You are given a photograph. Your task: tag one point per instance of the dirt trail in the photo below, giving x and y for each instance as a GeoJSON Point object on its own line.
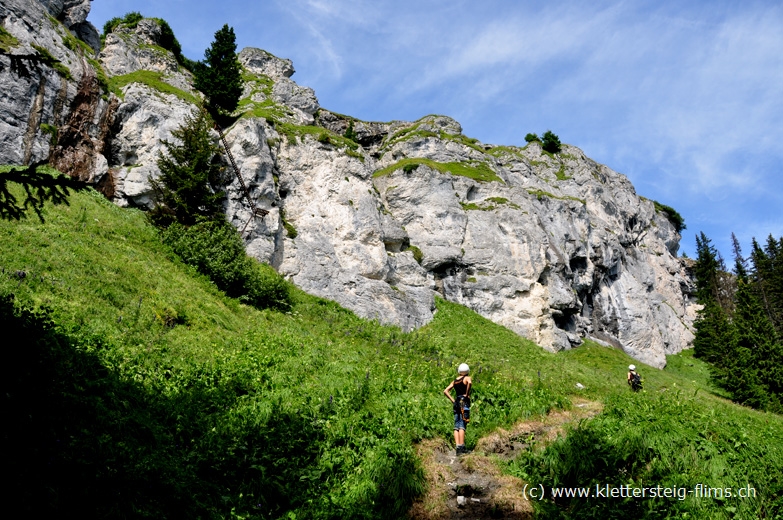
{"type": "Point", "coordinates": [476, 477]}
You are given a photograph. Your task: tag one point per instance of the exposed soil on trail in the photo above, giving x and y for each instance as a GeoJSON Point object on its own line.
{"type": "Point", "coordinates": [476, 477]}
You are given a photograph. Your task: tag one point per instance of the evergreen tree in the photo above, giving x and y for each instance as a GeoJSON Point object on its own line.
{"type": "Point", "coordinates": [219, 76]}
{"type": "Point", "coordinates": [705, 269]}
{"type": "Point", "coordinates": [768, 277]}
{"type": "Point", "coordinates": [186, 190]}
{"type": "Point", "coordinates": [740, 340]}
{"type": "Point", "coordinates": [714, 332]}
{"type": "Point", "coordinates": [715, 336]}
{"type": "Point", "coordinates": [756, 362]}
{"type": "Point", "coordinates": [740, 264]}
{"type": "Point", "coordinates": [550, 142]}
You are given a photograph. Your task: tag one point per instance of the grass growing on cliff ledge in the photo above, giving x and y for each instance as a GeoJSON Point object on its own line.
{"type": "Point", "coordinates": [47, 58]}
{"type": "Point", "coordinates": [475, 170]}
{"type": "Point", "coordinates": [135, 388]}
{"type": "Point", "coordinates": [7, 40]}
{"type": "Point", "coordinates": [153, 80]}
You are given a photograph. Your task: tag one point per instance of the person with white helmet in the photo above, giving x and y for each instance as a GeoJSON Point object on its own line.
{"type": "Point", "coordinates": [634, 379]}
{"type": "Point", "coordinates": [461, 405]}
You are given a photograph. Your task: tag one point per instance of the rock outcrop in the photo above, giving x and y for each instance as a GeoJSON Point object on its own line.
{"type": "Point", "coordinates": [381, 217]}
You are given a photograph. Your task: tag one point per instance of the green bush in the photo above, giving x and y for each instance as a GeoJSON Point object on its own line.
{"type": "Point", "coordinates": [167, 39]}
{"type": "Point", "coordinates": [531, 137]}
{"type": "Point", "coordinates": [215, 249]}
{"type": "Point", "coordinates": [417, 254]}
{"type": "Point", "coordinates": [350, 133]}
{"type": "Point", "coordinates": [131, 20]}
{"type": "Point", "coordinates": [550, 142]}
{"type": "Point", "coordinates": [674, 217]}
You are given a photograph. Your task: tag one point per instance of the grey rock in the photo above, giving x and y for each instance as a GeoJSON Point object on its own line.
{"type": "Point", "coordinates": [143, 120]}
{"type": "Point", "coordinates": [87, 32]}
{"type": "Point", "coordinates": [130, 50]}
{"type": "Point", "coordinates": [368, 133]}
{"type": "Point", "coordinates": [262, 62]}
{"type": "Point", "coordinates": [247, 140]}
{"type": "Point", "coordinates": [556, 248]}
{"type": "Point", "coordinates": [74, 12]}
{"type": "Point", "coordinates": [302, 99]}
{"type": "Point", "coordinates": [54, 7]}
{"type": "Point", "coordinates": [34, 93]}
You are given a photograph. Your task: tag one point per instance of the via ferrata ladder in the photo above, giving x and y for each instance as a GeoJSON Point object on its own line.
{"type": "Point", "coordinates": [257, 212]}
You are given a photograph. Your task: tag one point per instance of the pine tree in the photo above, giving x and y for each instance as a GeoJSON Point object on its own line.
{"type": "Point", "coordinates": [739, 340]}
{"type": "Point", "coordinates": [740, 263]}
{"type": "Point", "coordinates": [715, 336]}
{"type": "Point", "coordinates": [706, 269]}
{"type": "Point", "coordinates": [550, 142]}
{"type": "Point", "coordinates": [770, 274]}
{"type": "Point", "coordinates": [758, 357]}
{"type": "Point", "coordinates": [219, 76]}
{"type": "Point", "coordinates": [186, 190]}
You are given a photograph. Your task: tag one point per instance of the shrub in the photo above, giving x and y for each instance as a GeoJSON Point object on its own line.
{"type": "Point", "coordinates": [532, 137]}
{"type": "Point", "coordinates": [417, 254]}
{"type": "Point", "coordinates": [550, 142]}
{"type": "Point", "coordinates": [215, 249]}
{"type": "Point", "coordinates": [350, 133]}
{"type": "Point", "coordinates": [167, 39]}
{"type": "Point", "coordinates": [131, 20]}
{"type": "Point", "coordinates": [674, 217]}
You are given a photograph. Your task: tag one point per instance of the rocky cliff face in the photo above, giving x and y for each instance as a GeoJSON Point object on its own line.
{"type": "Point", "coordinates": [555, 247]}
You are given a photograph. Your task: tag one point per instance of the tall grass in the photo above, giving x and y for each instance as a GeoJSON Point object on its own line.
{"type": "Point", "coordinates": [671, 441]}
{"type": "Point", "coordinates": [133, 387]}
{"type": "Point", "coordinates": [163, 397]}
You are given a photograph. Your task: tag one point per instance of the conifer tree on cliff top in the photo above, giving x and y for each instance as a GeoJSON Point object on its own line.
{"type": "Point", "coordinates": [219, 76]}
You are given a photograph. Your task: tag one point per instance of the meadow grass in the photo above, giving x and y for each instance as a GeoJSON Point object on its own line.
{"type": "Point", "coordinates": [151, 393]}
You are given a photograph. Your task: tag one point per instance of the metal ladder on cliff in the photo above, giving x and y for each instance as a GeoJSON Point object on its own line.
{"type": "Point", "coordinates": [256, 211]}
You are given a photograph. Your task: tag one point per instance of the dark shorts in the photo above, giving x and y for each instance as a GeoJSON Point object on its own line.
{"type": "Point", "coordinates": [459, 423]}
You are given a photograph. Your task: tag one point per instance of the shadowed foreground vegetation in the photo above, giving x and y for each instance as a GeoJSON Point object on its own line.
{"type": "Point", "coordinates": [133, 387]}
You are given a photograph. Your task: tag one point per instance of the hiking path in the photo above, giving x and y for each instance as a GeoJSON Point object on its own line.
{"type": "Point", "coordinates": [473, 485]}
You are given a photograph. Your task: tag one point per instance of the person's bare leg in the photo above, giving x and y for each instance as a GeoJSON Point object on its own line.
{"type": "Point", "coordinates": [459, 435]}
{"type": "Point", "coordinates": [456, 437]}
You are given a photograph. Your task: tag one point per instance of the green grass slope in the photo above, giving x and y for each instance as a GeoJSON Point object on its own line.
{"type": "Point", "coordinates": [132, 387]}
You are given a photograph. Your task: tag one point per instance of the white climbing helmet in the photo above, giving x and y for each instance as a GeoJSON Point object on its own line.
{"type": "Point", "coordinates": [463, 368]}
{"type": "Point", "coordinates": [631, 367]}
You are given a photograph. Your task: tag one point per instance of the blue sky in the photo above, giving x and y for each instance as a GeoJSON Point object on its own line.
{"type": "Point", "coordinates": [685, 98]}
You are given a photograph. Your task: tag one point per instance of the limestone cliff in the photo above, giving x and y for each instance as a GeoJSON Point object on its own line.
{"type": "Point", "coordinates": [553, 246]}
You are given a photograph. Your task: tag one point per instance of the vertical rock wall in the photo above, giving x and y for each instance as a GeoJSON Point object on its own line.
{"type": "Point", "coordinates": [555, 247]}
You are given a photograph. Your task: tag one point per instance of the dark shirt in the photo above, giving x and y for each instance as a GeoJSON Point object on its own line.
{"type": "Point", "coordinates": [460, 387]}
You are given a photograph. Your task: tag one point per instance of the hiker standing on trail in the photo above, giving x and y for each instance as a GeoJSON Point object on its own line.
{"type": "Point", "coordinates": [462, 386]}
{"type": "Point", "coordinates": [634, 379]}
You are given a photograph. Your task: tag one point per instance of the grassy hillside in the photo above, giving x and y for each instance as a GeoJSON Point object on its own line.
{"type": "Point", "coordinates": [134, 388]}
